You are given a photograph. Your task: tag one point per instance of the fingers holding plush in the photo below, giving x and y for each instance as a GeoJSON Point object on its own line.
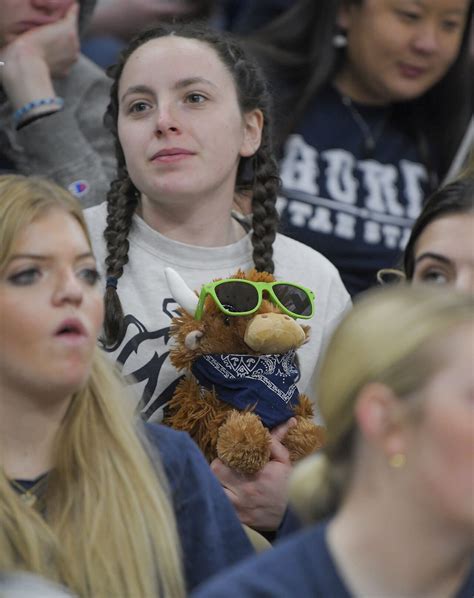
{"type": "Point", "coordinates": [260, 499]}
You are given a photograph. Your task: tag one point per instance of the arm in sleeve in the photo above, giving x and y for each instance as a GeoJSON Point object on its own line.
{"type": "Point", "coordinates": [72, 144]}
{"type": "Point", "coordinates": [211, 535]}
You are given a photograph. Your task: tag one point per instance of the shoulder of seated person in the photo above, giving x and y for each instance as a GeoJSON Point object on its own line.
{"type": "Point", "coordinates": [173, 446]}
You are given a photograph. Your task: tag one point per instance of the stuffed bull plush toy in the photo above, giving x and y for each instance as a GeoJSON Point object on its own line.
{"type": "Point", "coordinates": [237, 343]}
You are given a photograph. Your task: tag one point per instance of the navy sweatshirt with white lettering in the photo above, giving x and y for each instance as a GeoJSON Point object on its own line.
{"type": "Point", "coordinates": [356, 208]}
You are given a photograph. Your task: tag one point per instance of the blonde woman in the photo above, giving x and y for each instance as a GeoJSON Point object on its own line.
{"type": "Point", "coordinates": [87, 497]}
{"type": "Point", "coordinates": [392, 494]}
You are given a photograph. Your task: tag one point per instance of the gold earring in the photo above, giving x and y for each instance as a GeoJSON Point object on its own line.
{"type": "Point", "coordinates": [397, 461]}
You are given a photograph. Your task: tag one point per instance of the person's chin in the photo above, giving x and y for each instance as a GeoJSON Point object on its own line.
{"type": "Point", "coordinates": [412, 88]}
{"type": "Point", "coordinates": [407, 93]}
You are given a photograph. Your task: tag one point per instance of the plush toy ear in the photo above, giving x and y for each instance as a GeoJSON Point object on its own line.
{"type": "Point", "coordinates": [181, 292]}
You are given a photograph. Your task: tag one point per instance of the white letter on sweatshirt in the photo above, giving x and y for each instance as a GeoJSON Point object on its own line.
{"type": "Point", "coordinates": [299, 169]}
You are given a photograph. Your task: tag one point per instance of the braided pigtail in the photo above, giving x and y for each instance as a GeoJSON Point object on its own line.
{"type": "Point", "coordinates": [257, 175]}
{"type": "Point", "coordinates": [122, 201]}
{"type": "Point", "coordinates": [265, 215]}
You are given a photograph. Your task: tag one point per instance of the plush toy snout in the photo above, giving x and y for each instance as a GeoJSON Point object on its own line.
{"type": "Point", "coordinates": [273, 333]}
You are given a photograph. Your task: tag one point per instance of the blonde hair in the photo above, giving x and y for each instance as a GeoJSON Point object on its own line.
{"type": "Point", "coordinates": [389, 337]}
{"type": "Point", "coordinates": [23, 199]}
{"type": "Point", "coordinates": [109, 528]}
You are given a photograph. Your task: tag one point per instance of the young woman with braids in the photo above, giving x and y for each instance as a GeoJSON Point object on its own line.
{"type": "Point", "coordinates": [190, 113]}
{"type": "Point", "coordinates": [390, 496]}
{"type": "Point", "coordinates": [89, 497]}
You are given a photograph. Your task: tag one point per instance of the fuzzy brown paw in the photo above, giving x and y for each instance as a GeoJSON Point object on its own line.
{"type": "Point", "coordinates": [243, 443]}
{"type": "Point", "coordinates": [304, 438]}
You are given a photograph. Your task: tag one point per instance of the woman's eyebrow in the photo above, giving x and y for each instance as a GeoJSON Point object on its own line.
{"type": "Point", "coordinates": [144, 89]}
{"type": "Point", "coordinates": [193, 81]}
{"type": "Point", "coordinates": [432, 255]}
{"type": "Point", "coordinates": [455, 10]}
{"type": "Point", "coordinates": [44, 257]}
{"type": "Point", "coordinates": [138, 89]}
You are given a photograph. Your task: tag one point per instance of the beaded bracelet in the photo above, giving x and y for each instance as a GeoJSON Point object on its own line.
{"type": "Point", "coordinates": [20, 113]}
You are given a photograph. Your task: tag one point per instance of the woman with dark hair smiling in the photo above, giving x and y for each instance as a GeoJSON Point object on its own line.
{"type": "Point", "coordinates": [375, 105]}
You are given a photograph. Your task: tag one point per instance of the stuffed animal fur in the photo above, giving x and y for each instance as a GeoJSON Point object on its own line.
{"type": "Point", "coordinates": [262, 342]}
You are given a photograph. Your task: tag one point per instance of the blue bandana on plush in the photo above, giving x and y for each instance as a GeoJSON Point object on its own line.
{"type": "Point", "coordinates": [267, 382]}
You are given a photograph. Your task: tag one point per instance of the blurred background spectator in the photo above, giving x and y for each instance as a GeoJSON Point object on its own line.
{"type": "Point", "coordinates": [116, 21]}
{"type": "Point", "coordinates": [52, 99]}
{"type": "Point", "coordinates": [440, 249]}
{"type": "Point", "coordinates": [374, 100]}
{"type": "Point", "coordinates": [244, 16]}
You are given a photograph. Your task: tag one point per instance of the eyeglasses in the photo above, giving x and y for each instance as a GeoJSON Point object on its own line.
{"type": "Point", "coordinates": [238, 297]}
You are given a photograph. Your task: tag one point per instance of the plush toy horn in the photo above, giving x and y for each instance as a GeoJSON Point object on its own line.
{"type": "Point", "coordinates": [180, 291]}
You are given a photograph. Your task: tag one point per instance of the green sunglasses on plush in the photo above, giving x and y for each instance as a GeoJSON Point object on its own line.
{"type": "Point", "coordinates": [240, 297]}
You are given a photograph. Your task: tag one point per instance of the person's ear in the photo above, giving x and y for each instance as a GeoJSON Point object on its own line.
{"type": "Point", "coordinates": [379, 415]}
{"type": "Point", "coordinates": [253, 127]}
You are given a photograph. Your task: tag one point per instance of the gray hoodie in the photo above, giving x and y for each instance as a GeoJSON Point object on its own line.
{"type": "Point", "coordinates": [70, 146]}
